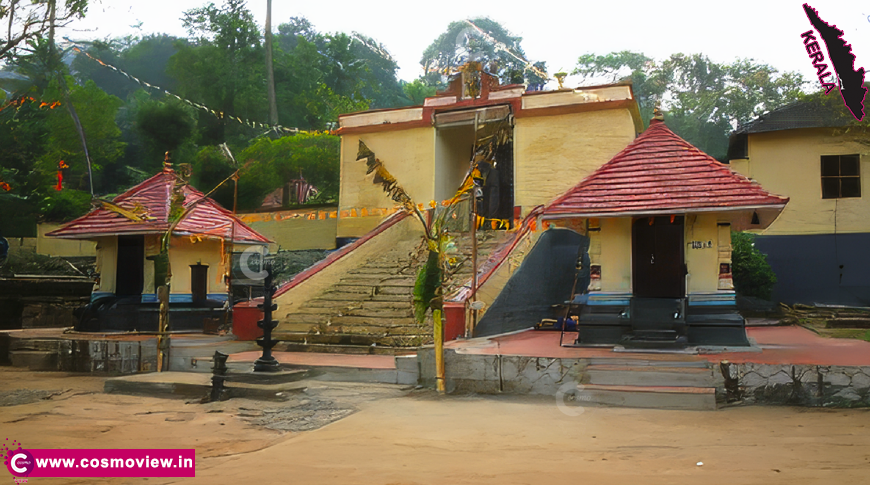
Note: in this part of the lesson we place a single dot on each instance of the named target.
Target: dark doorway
(658, 268)
(199, 282)
(130, 272)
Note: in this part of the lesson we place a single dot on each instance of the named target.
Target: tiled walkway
(778, 345)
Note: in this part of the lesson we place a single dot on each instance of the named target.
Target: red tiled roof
(660, 172)
(152, 196)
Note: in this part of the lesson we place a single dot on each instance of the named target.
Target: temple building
(131, 267)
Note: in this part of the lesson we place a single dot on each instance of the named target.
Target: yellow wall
(554, 153)
(54, 246)
(289, 302)
(292, 230)
(409, 155)
(183, 254)
(702, 263)
(789, 163)
(453, 148)
(611, 248)
(107, 259)
(613, 243)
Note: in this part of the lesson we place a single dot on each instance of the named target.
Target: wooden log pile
(833, 316)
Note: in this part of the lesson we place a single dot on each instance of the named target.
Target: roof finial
(657, 112)
(167, 163)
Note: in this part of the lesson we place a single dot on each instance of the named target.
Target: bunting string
(500, 46)
(216, 113)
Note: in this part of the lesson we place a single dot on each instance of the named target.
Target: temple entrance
(658, 267)
(454, 147)
(130, 271)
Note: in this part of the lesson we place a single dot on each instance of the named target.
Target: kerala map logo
(845, 76)
(19, 461)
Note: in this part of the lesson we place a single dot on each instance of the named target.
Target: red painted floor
(778, 345)
(324, 360)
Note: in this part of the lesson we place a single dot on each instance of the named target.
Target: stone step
(373, 330)
(338, 296)
(400, 311)
(656, 397)
(619, 375)
(368, 280)
(342, 349)
(403, 312)
(353, 289)
(375, 270)
(350, 320)
(384, 297)
(395, 290)
(38, 344)
(661, 360)
(39, 360)
(339, 305)
(370, 290)
(411, 340)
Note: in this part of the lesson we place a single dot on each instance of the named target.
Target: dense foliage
(704, 101)
(752, 273)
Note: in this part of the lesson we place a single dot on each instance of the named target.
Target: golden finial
(657, 113)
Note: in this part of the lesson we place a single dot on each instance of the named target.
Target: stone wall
(805, 385)
(493, 374)
(111, 357)
(781, 384)
(54, 313)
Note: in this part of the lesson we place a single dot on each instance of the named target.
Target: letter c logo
(14, 462)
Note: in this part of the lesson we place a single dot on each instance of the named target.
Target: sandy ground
(387, 435)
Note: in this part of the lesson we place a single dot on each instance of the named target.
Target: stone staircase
(644, 383)
(370, 309)
(487, 242)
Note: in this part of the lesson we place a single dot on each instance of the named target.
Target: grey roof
(801, 114)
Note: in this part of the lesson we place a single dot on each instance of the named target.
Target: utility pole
(470, 329)
(270, 74)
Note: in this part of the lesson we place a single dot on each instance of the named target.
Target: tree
(27, 21)
(165, 126)
(704, 100)
(496, 49)
(320, 76)
(417, 91)
(314, 156)
(97, 111)
(222, 67)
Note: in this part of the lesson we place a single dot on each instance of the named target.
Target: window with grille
(841, 176)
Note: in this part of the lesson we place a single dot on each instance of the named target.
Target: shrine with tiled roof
(659, 217)
(131, 265)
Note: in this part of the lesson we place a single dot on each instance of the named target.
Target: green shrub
(752, 273)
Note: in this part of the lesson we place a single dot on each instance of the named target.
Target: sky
(552, 31)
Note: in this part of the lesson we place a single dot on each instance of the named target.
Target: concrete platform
(786, 365)
(112, 353)
(773, 345)
(195, 385)
(385, 369)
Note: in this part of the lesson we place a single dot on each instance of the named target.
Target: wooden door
(658, 267)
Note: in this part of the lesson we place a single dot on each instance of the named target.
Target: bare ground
(387, 435)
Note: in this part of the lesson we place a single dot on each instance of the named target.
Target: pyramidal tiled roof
(659, 172)
(151, 198)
